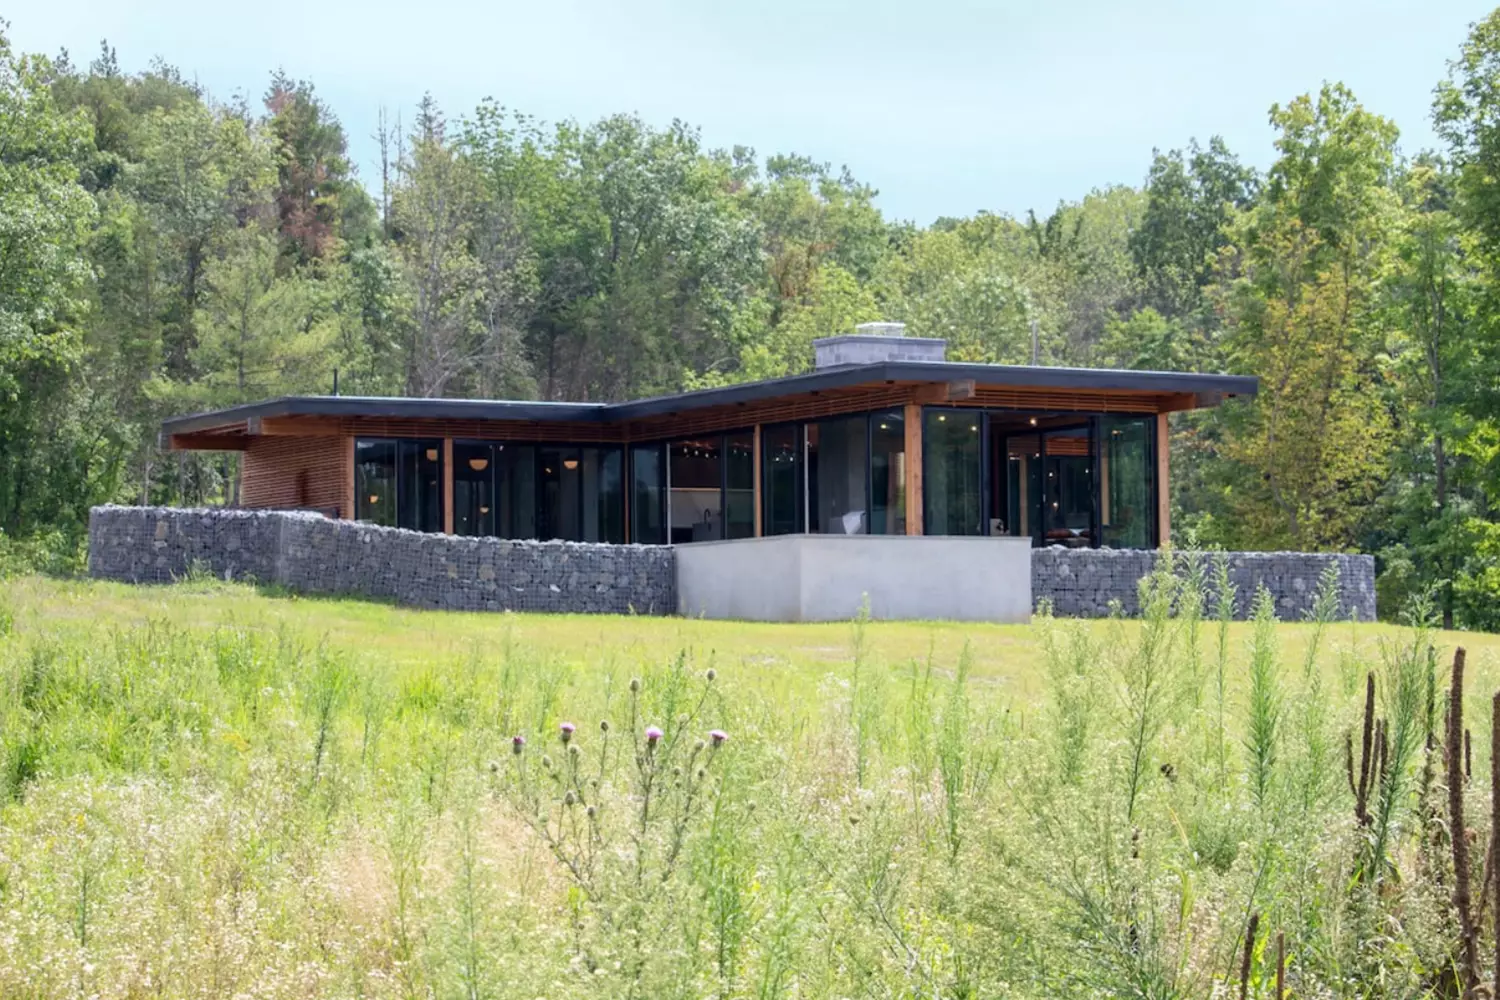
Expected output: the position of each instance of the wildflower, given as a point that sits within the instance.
(517, 743)
(710, 674)
(718, 736)
(653, 733)
(567, 731)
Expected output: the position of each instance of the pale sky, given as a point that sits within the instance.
(948, 108)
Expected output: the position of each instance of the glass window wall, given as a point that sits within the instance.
(647, 495)
(952, 446)
(739, 485)
(888, 473)
(837, 463)
(375, 482)
(1127, 476)
(782, 490)
(695, 482)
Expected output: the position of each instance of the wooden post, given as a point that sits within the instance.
(447, 486)
(350, 506)
(1163, 482)
(755, 498)
(913, 468)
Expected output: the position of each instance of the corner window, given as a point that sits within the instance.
(952, 447)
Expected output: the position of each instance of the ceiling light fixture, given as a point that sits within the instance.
(479, 464)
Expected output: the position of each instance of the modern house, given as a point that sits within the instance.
(884, 437)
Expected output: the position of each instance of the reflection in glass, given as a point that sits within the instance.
(419, 485)
(781, 474)
(695, 501)
(1127, 502)
(1068, 492)
(375, 482)
(474, 471)
(739, 485)
(952, 501)
(836, 466)
(888, 473)
(603, 496)
(647, 489)
(561, 514)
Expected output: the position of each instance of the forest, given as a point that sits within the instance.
(164, 250)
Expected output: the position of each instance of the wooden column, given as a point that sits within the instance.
(349, 506)
(1163, 482)
(913, 460)
(447, 486)
(759, 528)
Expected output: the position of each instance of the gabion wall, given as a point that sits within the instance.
(312, 554)
(1082, 583)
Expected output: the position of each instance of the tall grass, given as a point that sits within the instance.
(244, 809)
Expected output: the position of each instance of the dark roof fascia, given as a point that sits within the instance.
(1209, 389)
(388, 406)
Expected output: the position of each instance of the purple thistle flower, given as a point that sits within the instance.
(516, 743)
(718, 736)
(567, 731)
(653, 734)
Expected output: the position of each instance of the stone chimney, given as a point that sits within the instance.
(874, 342)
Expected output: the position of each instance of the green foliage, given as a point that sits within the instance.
(166, 252)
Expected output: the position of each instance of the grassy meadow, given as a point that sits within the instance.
(206, 791)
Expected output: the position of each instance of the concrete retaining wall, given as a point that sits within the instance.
(816, 578)
(1083, 582)
(312, 554)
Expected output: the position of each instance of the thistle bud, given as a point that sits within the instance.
(710, 674)
(603, 725)
(635, 685)
(517, 743)
(569, 798)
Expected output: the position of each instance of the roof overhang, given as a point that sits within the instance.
(938, 382)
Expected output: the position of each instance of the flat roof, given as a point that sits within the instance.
(1209, 389)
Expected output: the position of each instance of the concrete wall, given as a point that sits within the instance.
(312, 554)
(826, 577)
(1083, 582)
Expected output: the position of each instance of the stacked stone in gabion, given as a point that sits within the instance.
(310, 553)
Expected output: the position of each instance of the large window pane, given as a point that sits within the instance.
(603, 496)
(1021, 456)
(836, 467)
(515, 485)
(1068, 509)
(647, 486)
(419, 485)
(739, 482)
(562, 494)
(1127, 502)
(695, 501)
(781, 470)
(888, 473)
(473, 488)
(375, 482)
(952, 499)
